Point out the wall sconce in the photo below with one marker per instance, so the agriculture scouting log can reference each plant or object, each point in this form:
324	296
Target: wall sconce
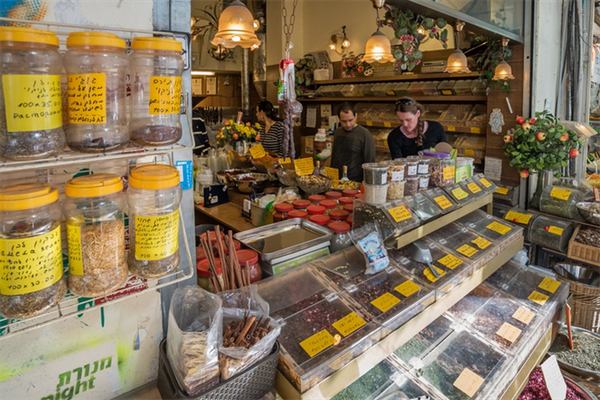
335	38
457	61
236	28
503	70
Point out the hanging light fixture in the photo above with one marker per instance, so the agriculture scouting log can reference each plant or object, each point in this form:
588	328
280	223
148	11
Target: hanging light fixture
378	47
236	28
457	61
503	70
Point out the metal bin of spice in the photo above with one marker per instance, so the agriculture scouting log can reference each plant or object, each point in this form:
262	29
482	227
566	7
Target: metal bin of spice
561	201
551	232
506	194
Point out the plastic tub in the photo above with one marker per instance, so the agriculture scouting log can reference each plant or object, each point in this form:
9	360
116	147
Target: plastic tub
375	174
463	88
375	194
464	168
395	190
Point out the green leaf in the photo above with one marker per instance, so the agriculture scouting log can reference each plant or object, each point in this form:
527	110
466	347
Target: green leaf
441	23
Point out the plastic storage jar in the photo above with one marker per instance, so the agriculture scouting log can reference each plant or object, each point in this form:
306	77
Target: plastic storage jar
333	195
97	68
316	198
329	205
412	166
153	197
441	168
156	68
30	244
316	210
30	101
338	215
249	259
204	274
341	236
94	210
281	211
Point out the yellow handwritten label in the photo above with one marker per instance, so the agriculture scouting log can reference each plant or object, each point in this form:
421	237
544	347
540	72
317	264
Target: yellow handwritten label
499	228
443	202
74	245
468	382
450	261
469	152
369	123
32	102
86	95
451	128
561	194
459	193
555	230
257	151
449	173
399	213
509	332
538	298
517	217
523	315
31	264
390	93
473	187
485	182
387	124
304	166
467	250
385	302
333	173
286	160
407	288
549	285
447	92
165	95
481	243
317	343
349	324
475	130
156	237
501	190
429	275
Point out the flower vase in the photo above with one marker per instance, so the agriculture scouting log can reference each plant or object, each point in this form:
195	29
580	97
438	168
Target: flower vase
544	178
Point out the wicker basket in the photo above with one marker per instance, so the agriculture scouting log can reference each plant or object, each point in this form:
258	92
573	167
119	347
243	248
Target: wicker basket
583	252
585	300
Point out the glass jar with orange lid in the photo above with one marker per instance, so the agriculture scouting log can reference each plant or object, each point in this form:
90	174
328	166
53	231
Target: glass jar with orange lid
31	123
156	67
153	197
30	250
97	69
281	211
94	209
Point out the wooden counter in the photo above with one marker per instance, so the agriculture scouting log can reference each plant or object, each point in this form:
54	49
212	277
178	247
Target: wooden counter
228	215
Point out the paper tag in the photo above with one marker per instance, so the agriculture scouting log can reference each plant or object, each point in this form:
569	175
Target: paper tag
538	298
467	250
165	95
429	275
443	202
369	123
555	230
156	237
597	194
390	93
385	302
561	194
468	382
518	217
447	92
469	153
399	213
387	124
474	130
499	228
407	288
509	332
523	315
450	261
304	166
555	382
449	173
481	243
501	190
333	173
549	285
349	324
473	187
74	246
317	343
451	128
86	96
257	151
485	182
460	194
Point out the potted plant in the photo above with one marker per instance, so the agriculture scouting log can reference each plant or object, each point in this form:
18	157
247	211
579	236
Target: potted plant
304	71
354	65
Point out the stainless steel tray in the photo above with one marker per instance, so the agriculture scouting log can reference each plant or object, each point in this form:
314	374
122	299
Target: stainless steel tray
284	238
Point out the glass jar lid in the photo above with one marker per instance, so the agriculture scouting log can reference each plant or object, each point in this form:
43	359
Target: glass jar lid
154	177
94	185
283	207
95	39
154	43
27	195
339	227
18	34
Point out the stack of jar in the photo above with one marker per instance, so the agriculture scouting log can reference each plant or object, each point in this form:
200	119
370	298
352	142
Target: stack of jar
101	115
375	182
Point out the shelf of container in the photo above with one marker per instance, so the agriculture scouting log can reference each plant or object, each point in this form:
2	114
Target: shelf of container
420	98
449	128
398	78
444	220
577	220
383	149
378	352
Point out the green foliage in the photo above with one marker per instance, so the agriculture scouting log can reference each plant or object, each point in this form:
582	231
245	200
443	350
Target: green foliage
304	72
487	62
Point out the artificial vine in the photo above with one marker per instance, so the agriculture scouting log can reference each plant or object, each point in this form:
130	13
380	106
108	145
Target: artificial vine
491	56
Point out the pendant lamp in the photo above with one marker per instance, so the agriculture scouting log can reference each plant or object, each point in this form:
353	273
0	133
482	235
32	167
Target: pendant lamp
457	61
503	70
378	47
236	28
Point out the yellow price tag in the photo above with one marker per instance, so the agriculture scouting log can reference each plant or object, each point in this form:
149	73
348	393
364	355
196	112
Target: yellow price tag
469	153
74	246
549	285
429	275
286	160
257	151
475	130
555	230
451	128
349	324
156	237
407	288
481	243
449	173
538	298
473	187
499	228
317	343
385	302
468	382
369	123
459	193
86	97
467	250
561	194
399	213
387	124
485	182
165	95
523	315
509	332
447	92
333	173
450	261
517	217
390	93
304	166
501	190
443	202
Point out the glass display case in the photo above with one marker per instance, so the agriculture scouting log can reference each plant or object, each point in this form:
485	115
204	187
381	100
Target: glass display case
441	199
466	243
489	226
423	206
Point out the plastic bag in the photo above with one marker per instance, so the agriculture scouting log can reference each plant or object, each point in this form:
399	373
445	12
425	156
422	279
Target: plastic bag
369	241
246	297
195	326
235	359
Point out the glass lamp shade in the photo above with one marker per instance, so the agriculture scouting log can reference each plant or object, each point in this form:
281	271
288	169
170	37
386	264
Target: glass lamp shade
378	49
236	28
457	62
503	71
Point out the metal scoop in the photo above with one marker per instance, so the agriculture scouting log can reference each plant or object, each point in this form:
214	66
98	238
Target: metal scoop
421	253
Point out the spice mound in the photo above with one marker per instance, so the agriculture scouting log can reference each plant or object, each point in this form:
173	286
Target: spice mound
589	236
536	388
585	354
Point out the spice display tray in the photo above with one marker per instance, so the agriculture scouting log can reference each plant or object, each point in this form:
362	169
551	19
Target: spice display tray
473	188
583	252
365	213
464	242
504	275
465	309
401	215
489	226
423	207
442	200
458	194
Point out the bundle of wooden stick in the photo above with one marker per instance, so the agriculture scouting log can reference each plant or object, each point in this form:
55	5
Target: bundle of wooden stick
234	277
246	332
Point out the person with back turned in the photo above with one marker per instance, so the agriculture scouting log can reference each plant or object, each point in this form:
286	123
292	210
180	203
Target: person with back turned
353	145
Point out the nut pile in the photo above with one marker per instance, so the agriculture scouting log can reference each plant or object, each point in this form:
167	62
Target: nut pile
589	236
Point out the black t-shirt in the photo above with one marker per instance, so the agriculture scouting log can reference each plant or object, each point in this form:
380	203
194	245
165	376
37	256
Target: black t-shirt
401	146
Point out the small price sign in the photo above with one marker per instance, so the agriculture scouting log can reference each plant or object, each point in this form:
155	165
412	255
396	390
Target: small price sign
451	128
485	182
475	130
443	202
549	285
460	194
399	213
257	151
469	152
385	302
369	123
467	250
450	261
407	288
509	332
304	166
518	217
333	173
449	173
502	190
561	194
538	298
387	124
468	382
523	315
317	343
349	324
429	275
499	228
555	230
473	187
481	243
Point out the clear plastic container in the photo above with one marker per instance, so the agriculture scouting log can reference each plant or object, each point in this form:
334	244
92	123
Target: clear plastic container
94	209
153	197
365	213
463	88
423	207
423	167
396	170
464	168
402	89
97	67
431	89
378	90
561	201
504	274
375	194
412	166
416	88
465	309
486	184
341	236
32	277
459	195
423	342
389	89
402	216
490	226
375	174
29	58
466	243
477	87
551	232
395	190
441	199
411	186
446	88
423	182
281	211
156	67
248	259
473	188
441	168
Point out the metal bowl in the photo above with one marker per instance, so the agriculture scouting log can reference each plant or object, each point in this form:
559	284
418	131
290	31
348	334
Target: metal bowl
226	177
575	272
251	182
590	216
585	374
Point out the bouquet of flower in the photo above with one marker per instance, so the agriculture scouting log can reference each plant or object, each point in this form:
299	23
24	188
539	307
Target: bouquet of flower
232	132
354	65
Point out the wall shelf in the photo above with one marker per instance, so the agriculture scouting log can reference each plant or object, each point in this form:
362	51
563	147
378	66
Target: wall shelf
399	78
422	98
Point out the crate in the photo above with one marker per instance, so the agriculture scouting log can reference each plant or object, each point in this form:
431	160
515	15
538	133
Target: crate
583	252
250	384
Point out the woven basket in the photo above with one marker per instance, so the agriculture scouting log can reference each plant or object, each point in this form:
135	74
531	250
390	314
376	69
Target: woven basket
583	252
585	301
